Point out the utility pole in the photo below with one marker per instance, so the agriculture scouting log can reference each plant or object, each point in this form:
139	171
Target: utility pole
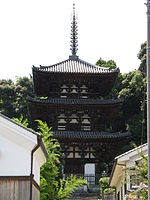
148	92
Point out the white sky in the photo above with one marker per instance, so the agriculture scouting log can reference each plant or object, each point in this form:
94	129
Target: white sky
37	32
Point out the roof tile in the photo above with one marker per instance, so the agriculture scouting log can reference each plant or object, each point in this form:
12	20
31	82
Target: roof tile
75	66
89	135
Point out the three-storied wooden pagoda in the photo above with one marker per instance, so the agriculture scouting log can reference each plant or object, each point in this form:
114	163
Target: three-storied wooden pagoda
69	96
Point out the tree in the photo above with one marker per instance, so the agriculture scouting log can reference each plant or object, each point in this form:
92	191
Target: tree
142	56
23	88
133	92
52	185
108	64
7	98
13	96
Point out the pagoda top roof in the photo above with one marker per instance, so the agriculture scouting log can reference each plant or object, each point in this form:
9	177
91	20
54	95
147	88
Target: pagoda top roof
89	135
75	101
75	65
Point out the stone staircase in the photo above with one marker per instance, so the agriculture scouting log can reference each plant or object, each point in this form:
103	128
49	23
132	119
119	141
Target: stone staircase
85	198
92	193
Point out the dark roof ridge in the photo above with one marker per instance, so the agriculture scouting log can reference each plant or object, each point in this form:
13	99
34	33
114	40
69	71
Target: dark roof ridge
90	134
71	100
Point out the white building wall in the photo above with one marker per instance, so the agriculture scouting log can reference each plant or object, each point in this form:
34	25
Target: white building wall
36	170
38	161
16	144
15	160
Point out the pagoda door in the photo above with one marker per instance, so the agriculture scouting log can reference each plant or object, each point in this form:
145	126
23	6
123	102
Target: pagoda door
89	173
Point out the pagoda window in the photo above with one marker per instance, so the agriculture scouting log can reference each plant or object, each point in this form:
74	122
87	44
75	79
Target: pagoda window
63	96
74	89
62	122
86	125
64	91
84	97
85	116
85	128
73	119
61	128
84	89
85	121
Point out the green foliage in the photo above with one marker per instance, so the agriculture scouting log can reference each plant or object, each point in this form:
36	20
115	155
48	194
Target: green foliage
142	57
52	186
13	96
21	121
104	183
133	89
43	98
134	107
68	186
137	126
140	170
109	190
108	64
104	186
23	88
7	98
117	87
50	170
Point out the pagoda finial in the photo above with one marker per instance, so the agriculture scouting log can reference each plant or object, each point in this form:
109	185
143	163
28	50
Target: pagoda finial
74	38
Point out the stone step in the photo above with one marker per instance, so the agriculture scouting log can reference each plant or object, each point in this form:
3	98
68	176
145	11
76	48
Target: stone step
84	198
84	193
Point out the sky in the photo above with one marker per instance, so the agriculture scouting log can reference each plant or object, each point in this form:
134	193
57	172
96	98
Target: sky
37	32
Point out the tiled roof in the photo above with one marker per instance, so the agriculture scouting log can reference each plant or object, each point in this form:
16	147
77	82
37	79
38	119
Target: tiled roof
14	122
75	101
89	135
132	150
74	66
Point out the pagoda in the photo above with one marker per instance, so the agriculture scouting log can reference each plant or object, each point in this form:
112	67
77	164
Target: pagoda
71	97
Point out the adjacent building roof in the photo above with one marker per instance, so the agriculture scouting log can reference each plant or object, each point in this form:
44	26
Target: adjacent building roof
121	162
30	131
74	65
89	135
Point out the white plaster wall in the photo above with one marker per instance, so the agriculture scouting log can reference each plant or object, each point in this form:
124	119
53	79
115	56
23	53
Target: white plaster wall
16	144
36	170
38	161
14	159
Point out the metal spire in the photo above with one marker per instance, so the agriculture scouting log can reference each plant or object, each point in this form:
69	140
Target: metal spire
74	38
